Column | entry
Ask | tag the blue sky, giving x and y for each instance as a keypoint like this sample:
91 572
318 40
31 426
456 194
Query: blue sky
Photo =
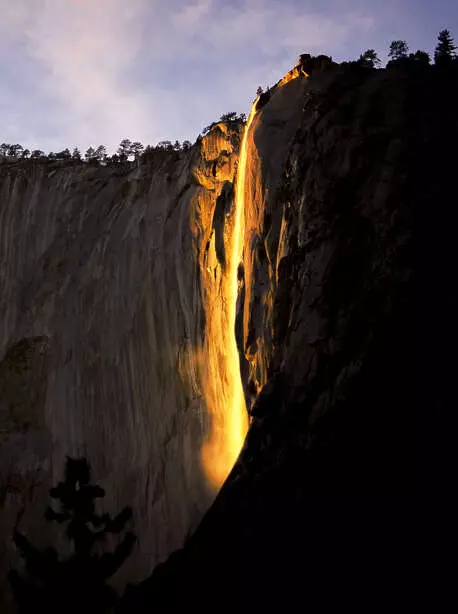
90 72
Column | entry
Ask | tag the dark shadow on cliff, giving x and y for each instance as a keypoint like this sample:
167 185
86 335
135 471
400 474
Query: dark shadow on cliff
77 583
321 509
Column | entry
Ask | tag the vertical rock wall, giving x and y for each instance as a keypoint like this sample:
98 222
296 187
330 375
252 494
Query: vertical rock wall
265 243
107 279
338 162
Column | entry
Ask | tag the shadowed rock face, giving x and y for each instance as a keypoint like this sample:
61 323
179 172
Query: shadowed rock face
109 279
317 510
103 274
329 286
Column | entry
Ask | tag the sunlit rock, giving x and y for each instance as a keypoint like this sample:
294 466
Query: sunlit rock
119 270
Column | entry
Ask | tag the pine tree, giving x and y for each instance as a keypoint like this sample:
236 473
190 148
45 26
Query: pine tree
124 149
100 153
89 155
136 149
445 49
398 50
75 584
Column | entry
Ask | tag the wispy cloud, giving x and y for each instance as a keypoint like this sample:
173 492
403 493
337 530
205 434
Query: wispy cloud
85 72
269 28
82 50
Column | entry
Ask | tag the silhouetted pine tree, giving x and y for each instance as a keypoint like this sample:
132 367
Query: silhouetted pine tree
398 50
445 49
75 584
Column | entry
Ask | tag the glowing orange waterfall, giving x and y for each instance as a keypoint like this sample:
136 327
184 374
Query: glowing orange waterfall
224 391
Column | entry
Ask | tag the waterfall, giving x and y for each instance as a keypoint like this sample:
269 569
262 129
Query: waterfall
226 401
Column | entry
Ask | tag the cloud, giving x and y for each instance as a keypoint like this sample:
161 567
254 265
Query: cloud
86 72
225 51
270 28
83 50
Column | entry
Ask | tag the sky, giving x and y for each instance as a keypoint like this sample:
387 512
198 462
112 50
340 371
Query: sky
91 72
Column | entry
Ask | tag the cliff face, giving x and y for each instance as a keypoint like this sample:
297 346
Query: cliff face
114 307
337 166
328 272
328 229
103 335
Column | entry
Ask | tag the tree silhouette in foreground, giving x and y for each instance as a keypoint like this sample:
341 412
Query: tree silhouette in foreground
75 584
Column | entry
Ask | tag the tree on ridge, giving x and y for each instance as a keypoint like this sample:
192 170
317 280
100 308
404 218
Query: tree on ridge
445 48
124 150
398 50
369 59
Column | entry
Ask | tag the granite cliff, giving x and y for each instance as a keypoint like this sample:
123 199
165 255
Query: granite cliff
113 305
104 339
350 185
